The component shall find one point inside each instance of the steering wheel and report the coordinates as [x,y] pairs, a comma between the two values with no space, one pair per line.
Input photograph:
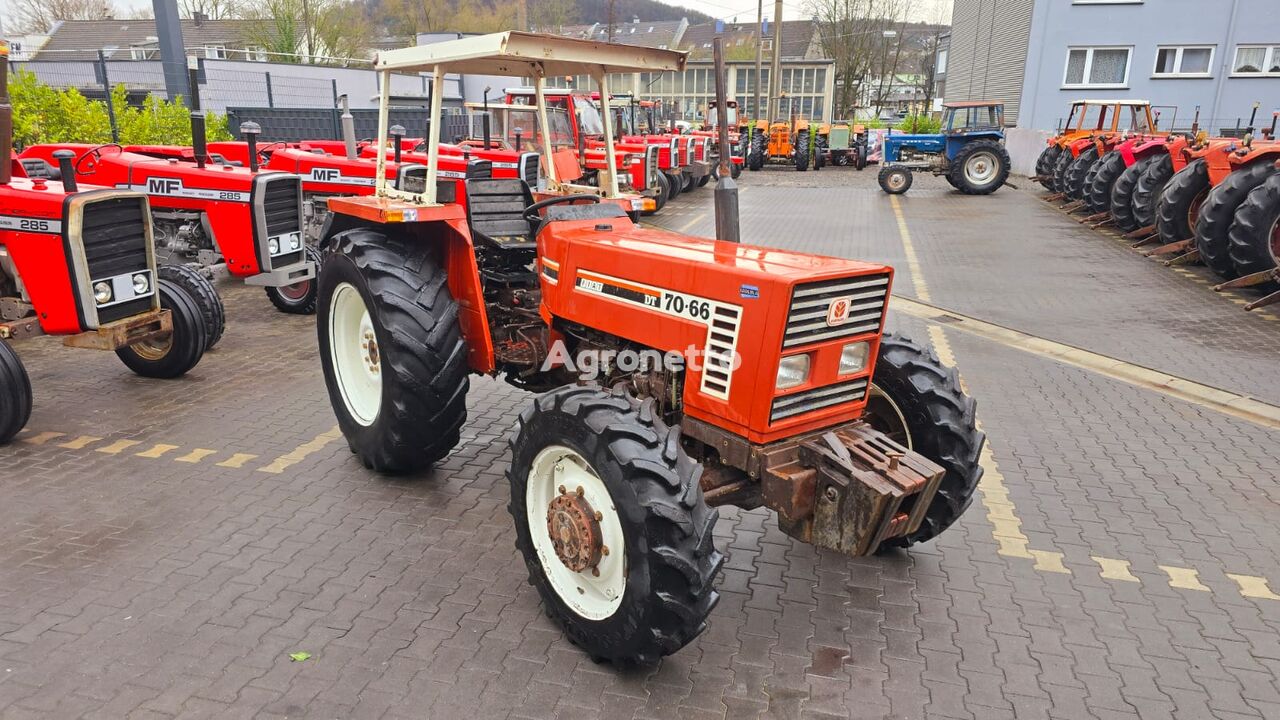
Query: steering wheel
[532,215]
[96,153]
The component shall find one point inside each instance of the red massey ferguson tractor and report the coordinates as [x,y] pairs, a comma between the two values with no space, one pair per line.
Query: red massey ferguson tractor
[79,262]
[723,374]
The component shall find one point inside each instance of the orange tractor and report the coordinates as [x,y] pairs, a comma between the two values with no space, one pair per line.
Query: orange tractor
[1102,125]
[676,373]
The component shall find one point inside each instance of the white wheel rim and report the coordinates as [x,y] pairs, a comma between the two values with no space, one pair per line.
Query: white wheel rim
[590,596]
[897,180]
[980,169]
[357,360]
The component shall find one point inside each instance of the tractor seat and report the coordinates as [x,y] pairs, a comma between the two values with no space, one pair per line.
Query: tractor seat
[40,168]
[495,211]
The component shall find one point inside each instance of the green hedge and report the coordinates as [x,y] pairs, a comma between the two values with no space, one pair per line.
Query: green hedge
[42,114]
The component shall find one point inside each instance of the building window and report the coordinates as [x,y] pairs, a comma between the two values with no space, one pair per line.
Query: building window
[942,61]
[1097,67]
[141,53]
[1257,60]
[255,54]
[215,52]
[1185,61]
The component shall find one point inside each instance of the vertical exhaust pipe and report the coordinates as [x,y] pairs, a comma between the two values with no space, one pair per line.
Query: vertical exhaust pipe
[66,170]
[251,130]
[348,127]
[6,117]
[199,144]
[397,133]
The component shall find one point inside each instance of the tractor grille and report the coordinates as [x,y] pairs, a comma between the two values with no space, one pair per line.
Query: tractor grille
[479,170]
[529,169]
[786,406]
[279,199]
[413,178]
[114,234]
[810,303]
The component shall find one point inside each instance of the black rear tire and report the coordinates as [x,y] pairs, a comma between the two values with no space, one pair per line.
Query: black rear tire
[689,182]
[860,162]
[176,354]
[1255,233]
[675,181]
[15,388]
[895,179]
[670,559]
[1213,228]
[298,298]
[1180,203]
[918,401]
[1045,164]
[201,290]
[1122,192]
[420,356]
[1060,170]
[800,150]
[1079,171]
[1105,174]
[1151,184]
[702,181]
[974,158]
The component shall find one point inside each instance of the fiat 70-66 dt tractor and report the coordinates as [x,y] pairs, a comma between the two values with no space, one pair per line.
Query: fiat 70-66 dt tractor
[969,152]
[80,263]
[727,373]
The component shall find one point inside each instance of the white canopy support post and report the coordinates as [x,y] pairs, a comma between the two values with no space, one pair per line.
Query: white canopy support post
[610,157]
[433,132]
[384,110]
[540,98]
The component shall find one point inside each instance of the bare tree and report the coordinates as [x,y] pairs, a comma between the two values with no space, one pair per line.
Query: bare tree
[38,16]
[865,39]
[211,9]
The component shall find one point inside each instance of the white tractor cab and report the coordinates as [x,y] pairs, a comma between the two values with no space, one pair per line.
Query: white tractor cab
[523,55]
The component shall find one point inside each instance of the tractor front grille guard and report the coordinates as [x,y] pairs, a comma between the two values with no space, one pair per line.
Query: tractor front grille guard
[108,241]
[277,220]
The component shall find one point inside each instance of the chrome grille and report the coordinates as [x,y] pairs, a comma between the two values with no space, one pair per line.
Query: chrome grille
[277,208]
[807,320]
[786,406]
[113,232]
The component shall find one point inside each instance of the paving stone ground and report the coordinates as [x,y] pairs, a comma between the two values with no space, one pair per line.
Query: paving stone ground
[169,544]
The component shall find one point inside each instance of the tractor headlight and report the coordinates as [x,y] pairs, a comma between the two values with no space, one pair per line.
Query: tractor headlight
[793,370]
[141,284]
[273,246]
[295,241]
[853,358]
[102,292]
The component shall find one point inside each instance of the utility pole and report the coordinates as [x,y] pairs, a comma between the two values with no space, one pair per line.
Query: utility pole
[755,109]
[611,20]
[726,189]
[775,69]
[522,15]
[173,54]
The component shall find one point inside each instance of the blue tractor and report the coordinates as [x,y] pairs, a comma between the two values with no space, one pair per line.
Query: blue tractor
[969,152]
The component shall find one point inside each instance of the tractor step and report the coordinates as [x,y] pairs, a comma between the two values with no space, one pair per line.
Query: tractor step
[1169,249]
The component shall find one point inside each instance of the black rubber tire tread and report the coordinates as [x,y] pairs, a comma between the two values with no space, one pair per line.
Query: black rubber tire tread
[671,559]
[1213,227]
[1078,171]
[188,342]
[702,181]
[424,358]
[860,162]
[201,289]
[1146,196]
[307,305]
[1088,182]
[675,181]
[942,421]
[1173,209]
[820,152]
[15,388]
[800,151]
[1105,174]
[664,191]
[1060,170]
[1251,238]
[757,148]
[689,182]
[1045,164]
[956,172]
[1121,205]
[883,176]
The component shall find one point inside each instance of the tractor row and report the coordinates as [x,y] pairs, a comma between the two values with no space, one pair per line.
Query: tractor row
[800,143]
[725,374]
[1189,196]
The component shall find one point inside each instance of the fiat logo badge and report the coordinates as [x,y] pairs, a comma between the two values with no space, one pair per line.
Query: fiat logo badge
[838,311]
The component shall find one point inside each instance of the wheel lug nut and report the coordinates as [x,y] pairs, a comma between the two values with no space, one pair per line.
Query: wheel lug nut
[595,572]
[562,490]
[599,516]
[579,491]
[604,549]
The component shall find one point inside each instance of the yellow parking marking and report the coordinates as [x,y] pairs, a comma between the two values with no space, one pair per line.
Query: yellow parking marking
[42,438]
[195,456]
[1252,586]
[118,447]
[300,453]
[237,460]
[1184,578]
[79,443]
[1113,569]
[157,450]
[913,261]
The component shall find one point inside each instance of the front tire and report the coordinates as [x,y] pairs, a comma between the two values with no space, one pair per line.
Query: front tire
[629,571]
[1214,225]
[205,296]
[175,354]
[918,402]
[300,297]
[394,360]
[895,179]
[15,388]
[1255,234]
[980,168]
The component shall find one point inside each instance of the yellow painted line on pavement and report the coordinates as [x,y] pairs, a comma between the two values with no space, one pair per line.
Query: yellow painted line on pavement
[1184,578]
[195,456]
[41,438]
[909,249]
[1252,586]
[300,453]
[118,447]
[237,460]
[156,450]
[1113,569]
[79,443]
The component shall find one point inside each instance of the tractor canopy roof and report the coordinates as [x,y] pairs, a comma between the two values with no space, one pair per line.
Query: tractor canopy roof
[522,54]
[973,103]
[1125,103]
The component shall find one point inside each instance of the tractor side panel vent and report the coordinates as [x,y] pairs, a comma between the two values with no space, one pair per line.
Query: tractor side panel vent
[808,319]
[479,170]
[721,349]
[114,233]
[529,168]
[786,406]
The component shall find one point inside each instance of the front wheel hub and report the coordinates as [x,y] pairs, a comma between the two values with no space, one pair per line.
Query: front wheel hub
[574,529]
